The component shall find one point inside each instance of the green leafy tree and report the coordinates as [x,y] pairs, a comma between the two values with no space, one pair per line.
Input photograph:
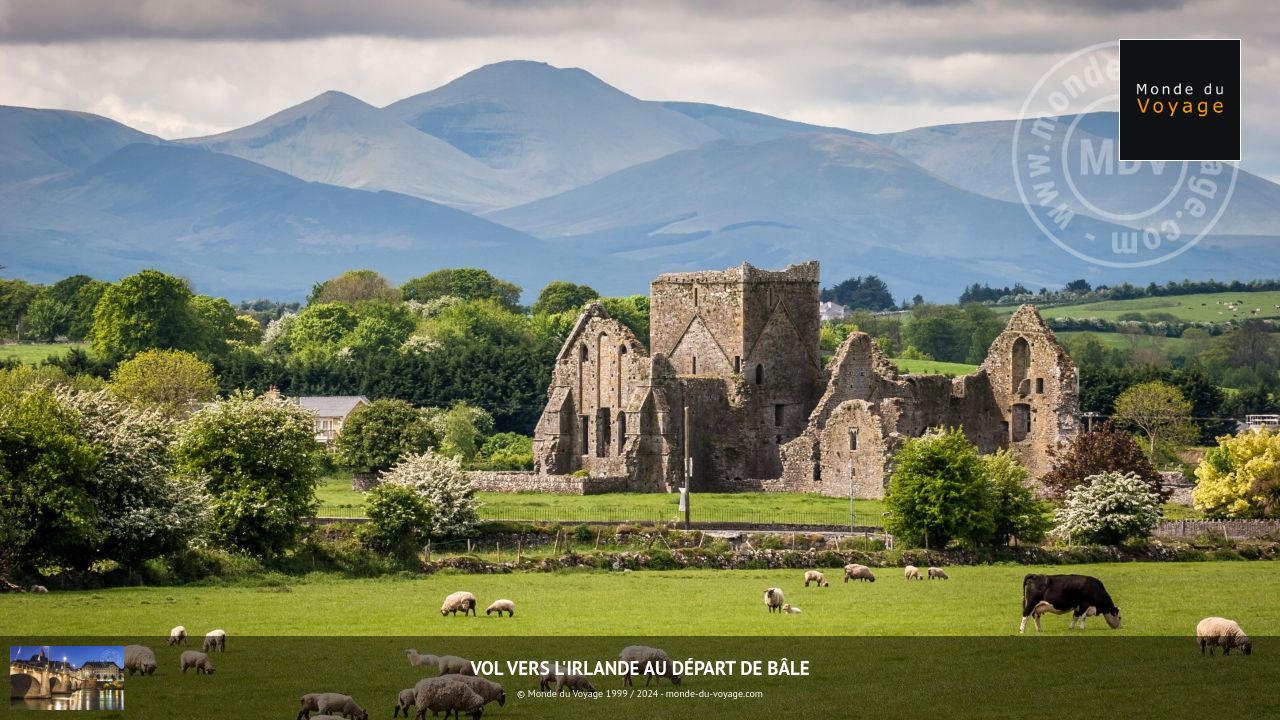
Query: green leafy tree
[1104,449]
[320,328]
[1159,412]
[447,493]
[171,381]
[1017,513]
[377,435]
[867,293]
[400,520]
[939,492]
[149,310]
[506,451]
[258,460]
[560,296]
[15,296]
[462,430]
[381,328]
[1240,478]
[632,311]
[1111,509]
[46,318]
[354,287]
[463,283]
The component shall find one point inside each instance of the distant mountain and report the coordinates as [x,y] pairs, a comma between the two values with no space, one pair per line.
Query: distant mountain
[747,126]
[335,138]
[38,143]
[549,129]
[243,230]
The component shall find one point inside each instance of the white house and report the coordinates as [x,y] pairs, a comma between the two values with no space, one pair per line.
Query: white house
[331,412]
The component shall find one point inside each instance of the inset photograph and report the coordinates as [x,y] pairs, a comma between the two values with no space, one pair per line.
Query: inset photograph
[66,677]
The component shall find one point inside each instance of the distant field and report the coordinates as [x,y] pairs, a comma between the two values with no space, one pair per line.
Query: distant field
[933,367]
[1205,307]
[1124,341]
[32,353]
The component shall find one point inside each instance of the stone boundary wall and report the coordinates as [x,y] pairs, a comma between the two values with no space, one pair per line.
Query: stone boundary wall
[1231,529]
[512,481]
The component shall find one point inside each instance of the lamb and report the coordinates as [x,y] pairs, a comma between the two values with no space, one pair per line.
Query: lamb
[460,601]
[815,576]
[858,572]
[652,661]
[331,703]
[575,684]
[444,664]
[177,636]
[791,609]
[139,659]
[215,640]
[549,677]
[197,660]
[911,572]
[485,688]
[773,599]
[501,606]
[1213,632]
[405,701]
[447,694]
[938,574]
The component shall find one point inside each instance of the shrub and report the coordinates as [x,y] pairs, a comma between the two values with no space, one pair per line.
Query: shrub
[399,520]
[446,491]
[1112,508]
[1241,477]
[1105,449]
[1016,511]
[506,451]
[939,492]
[376,436]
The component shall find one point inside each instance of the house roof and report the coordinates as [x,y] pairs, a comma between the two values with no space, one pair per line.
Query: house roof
[331,406]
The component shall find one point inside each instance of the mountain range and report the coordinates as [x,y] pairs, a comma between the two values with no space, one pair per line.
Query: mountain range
[540,173]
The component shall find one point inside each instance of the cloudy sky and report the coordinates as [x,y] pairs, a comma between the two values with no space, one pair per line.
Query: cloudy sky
[178,68]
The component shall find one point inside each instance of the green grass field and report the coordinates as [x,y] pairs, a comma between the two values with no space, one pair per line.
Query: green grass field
[1167,346]
[934,367]
[32,353]
[1204,307]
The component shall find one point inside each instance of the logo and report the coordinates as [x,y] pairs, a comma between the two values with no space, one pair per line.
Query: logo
[1082,196]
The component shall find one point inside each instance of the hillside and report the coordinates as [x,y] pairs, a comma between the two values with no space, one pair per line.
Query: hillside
[1200,307]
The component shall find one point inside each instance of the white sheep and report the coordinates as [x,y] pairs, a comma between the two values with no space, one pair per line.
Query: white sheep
[177,636]
[815,576]
[461,601]
[140,659]
[444,664]
[938,574]
[447,694]
[653,662]
[575,684]
[773,599]
[404,701]
[791,609]
[39,589]
[484,687]
[853,571]
[911,572]
[215,640]
[331,703]
[197,660]
[501,606]
[1213,632]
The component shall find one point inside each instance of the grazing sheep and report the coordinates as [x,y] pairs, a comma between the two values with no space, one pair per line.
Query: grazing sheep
[815,576]
[331,703]
[773,599]
[937,573]
[139,659]
[447,694]
[911,572]
[197,660]
[177,636]
[501,606]
[405,701]
[444,664]
[39,589]
[215,640]
[791,609]
[652,661]
[575,684]
[1213,632]
[485,688]
[460,601]
[858,572]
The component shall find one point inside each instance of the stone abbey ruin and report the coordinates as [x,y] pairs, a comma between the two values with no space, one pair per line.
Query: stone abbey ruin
[736,352]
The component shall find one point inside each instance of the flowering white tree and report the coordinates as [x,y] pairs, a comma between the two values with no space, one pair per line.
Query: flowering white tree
[447,491]
[1109,509]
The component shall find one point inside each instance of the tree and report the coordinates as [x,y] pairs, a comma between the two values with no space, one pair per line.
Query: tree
[1111,509]
[560,296]
[1159,411]
[869,293]
[377,435]
[257,458]
[939,491]
[462,430]
[1017,513]
[446,491]
[46,318]
[464,283]
[632,311]
[1104,449]
[400,520]
[172,381]
[506,451]
[1078,286]
[1240,478]
[15,296]
[353,287]
[320,328]
[144,311]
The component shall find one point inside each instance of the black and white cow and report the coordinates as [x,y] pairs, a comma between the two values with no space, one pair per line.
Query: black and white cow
[1080,595]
